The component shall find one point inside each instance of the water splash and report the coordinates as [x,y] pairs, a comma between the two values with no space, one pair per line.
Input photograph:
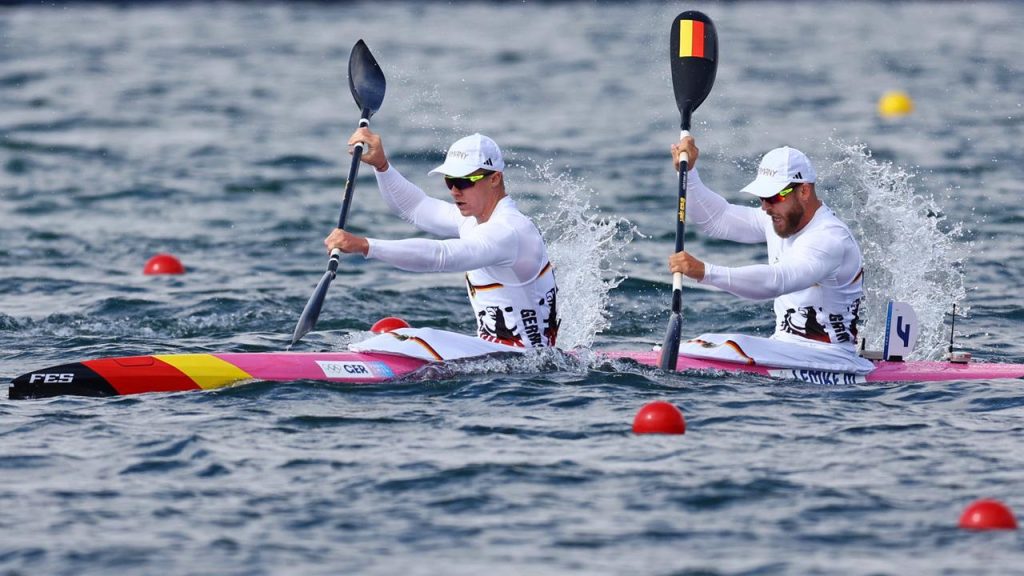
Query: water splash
[911,252]
[532,361]
[588,252]
[8,322]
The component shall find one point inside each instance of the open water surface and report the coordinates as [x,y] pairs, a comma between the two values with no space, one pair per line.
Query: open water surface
[216,132]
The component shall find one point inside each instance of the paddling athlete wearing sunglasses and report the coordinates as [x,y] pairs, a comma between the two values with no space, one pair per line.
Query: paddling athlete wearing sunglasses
[510,281]
[814,271]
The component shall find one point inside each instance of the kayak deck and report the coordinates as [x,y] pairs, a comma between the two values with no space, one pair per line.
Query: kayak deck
[181,372]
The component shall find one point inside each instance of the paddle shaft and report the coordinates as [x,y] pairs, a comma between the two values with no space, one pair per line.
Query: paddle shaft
[350,184]
[670,346]
[677,278]
[353,171]
[310,314]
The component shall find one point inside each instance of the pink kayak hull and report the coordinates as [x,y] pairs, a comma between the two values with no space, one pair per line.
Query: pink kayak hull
[181,372]
[910,371]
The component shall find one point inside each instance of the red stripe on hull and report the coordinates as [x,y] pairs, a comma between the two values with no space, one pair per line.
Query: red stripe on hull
[138,374]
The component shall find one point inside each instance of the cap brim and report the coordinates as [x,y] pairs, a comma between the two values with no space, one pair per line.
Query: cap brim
[454,169]
[763,187]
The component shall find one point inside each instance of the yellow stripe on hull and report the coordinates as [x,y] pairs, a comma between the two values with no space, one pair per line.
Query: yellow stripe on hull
[206,370]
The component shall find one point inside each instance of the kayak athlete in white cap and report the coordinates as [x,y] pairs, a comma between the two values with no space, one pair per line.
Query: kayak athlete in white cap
[510,281]
[814,271]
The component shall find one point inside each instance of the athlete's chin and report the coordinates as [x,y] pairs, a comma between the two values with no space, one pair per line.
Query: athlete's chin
[781,229]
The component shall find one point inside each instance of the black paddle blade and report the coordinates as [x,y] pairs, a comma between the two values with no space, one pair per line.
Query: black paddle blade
[670,348]
[366,79]
[693,51]
[311,313]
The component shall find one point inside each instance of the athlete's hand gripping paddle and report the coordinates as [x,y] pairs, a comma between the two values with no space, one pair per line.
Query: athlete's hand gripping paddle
[366,80]
[693,52]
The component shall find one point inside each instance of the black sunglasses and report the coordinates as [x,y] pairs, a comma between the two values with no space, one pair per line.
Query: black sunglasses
[464,182]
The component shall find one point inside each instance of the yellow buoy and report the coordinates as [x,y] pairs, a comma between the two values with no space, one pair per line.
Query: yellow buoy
[895,103]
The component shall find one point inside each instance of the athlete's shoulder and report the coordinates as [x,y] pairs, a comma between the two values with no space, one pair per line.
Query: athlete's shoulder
[507,214]
[828,222]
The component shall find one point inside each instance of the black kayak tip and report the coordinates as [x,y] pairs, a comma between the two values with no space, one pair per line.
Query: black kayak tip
[75,379]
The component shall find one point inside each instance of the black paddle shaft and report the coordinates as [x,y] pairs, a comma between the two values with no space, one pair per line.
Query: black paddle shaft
[693,54]
[677,297]
[353,171]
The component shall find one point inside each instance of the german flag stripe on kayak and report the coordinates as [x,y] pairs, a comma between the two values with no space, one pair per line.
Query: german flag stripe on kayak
[206,370]
[166,373]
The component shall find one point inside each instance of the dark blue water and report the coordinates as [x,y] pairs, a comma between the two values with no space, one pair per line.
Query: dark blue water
[216,132]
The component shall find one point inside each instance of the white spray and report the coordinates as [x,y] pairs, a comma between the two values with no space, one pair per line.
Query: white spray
[911,253]
[588,252]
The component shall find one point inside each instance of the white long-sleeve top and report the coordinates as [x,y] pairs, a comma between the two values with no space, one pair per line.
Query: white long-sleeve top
[815,275]
[510,280]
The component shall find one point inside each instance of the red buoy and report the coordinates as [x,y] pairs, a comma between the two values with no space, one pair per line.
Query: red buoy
[388,324]
[659,418]
[163,264]
[988,515]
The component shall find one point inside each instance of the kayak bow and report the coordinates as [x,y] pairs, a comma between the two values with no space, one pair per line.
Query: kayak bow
[181,372]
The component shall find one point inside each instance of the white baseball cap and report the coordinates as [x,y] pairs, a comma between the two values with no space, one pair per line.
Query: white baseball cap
[469,154]
[778,168]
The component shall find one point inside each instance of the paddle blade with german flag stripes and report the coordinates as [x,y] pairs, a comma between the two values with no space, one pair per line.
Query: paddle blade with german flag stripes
[693,51]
